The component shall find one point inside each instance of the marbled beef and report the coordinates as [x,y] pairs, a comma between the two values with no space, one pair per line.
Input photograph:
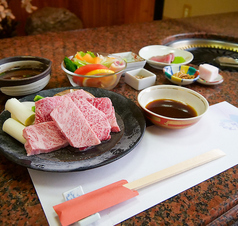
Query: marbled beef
[71,121]
[44,107]
[104,104]
[96,118]
[43,138]
[79,94]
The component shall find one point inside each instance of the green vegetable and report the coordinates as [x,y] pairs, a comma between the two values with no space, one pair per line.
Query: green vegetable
[178,60]
[38,97]
[92,54]
[79,63]
[69,64]
[82,54]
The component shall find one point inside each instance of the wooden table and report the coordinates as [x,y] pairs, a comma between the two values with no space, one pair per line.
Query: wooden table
[213,202]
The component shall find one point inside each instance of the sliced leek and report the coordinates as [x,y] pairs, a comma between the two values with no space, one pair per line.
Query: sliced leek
[14,129]
[21,112]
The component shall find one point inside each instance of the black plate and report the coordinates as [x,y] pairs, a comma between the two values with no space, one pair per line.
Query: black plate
[130,119]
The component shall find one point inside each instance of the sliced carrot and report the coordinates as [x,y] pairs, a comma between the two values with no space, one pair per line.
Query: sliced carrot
[88,58]
[78,56]
[97,60]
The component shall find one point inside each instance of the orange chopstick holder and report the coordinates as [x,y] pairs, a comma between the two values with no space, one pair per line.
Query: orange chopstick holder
[93,202]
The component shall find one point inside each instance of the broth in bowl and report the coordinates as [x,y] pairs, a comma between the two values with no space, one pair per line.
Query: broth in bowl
[20,73]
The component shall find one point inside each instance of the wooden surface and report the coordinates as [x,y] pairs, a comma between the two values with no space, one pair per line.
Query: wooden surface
[94,13]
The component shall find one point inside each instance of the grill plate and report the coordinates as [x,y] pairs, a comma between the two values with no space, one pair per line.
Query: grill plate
[207,50]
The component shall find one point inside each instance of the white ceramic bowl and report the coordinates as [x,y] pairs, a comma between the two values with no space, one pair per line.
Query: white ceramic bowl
[170,71]
[133,60]
[177,93]
[27,85]
[159,50]
[140,78]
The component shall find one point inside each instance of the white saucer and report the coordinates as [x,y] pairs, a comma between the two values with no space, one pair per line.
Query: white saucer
[216,81]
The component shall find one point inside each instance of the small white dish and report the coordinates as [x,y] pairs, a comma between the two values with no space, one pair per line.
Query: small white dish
[133,60]
[140,78]
[216,81]
[159,50]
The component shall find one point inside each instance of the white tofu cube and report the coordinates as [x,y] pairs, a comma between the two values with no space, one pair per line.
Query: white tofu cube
[208,72]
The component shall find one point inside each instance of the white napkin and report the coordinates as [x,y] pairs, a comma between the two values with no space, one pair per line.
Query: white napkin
[159,149]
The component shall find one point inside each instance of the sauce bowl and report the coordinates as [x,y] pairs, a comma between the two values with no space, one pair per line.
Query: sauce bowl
[175,93]
[15,82]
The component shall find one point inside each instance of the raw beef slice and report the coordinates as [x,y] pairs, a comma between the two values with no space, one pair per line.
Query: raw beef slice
[43,138]
[44,107]
[79,94]
[71,121]
[96,118]
[104,104]
[168,58]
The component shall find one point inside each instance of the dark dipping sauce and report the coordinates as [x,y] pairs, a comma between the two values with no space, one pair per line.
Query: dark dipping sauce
[171,108]
[20,73]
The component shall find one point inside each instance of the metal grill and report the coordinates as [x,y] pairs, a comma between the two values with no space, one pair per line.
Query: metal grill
[206,51]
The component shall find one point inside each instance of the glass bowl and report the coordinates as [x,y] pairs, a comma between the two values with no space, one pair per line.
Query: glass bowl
[100,80]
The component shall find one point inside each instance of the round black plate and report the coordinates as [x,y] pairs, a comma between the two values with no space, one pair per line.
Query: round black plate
[130,119]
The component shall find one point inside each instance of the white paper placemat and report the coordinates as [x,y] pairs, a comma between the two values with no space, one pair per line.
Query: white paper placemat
[159,149]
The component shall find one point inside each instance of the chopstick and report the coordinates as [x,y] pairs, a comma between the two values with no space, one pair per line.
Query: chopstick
[175,169]
[120,191]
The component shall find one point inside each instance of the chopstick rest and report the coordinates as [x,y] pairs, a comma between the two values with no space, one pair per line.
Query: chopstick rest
[110,195]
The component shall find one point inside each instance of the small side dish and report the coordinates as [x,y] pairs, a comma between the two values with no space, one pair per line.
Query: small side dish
[160,56]
[209,75]
[181,75]
[133,60]
[140,78]
[88,69]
